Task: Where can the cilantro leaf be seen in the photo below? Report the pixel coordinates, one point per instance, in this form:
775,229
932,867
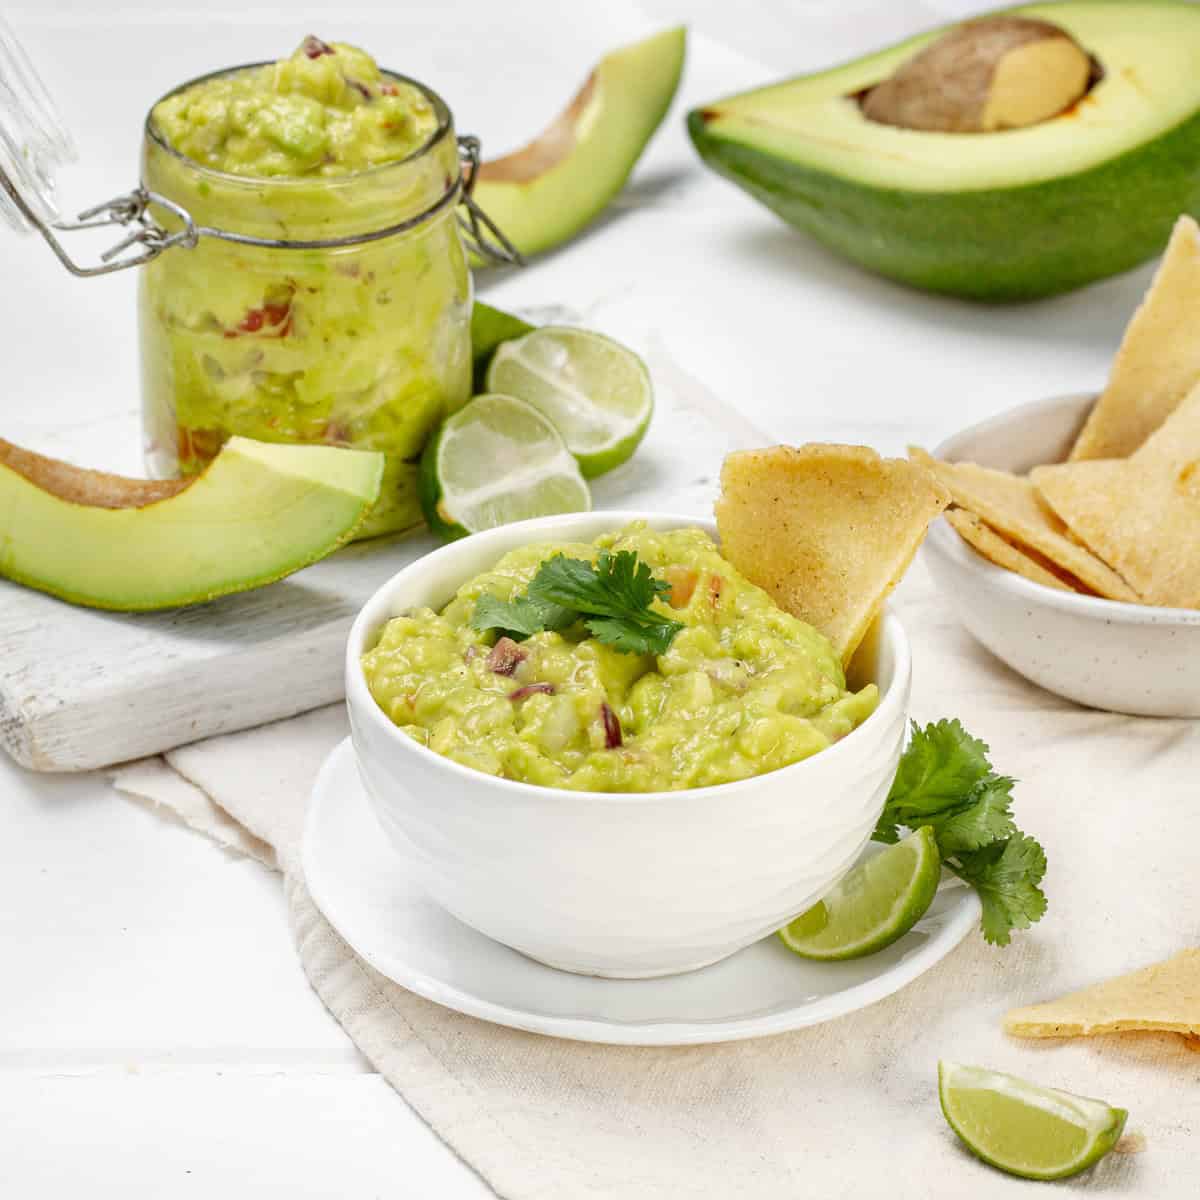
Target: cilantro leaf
987,819
520,617
617,585
634,637
945,781
614,594
939,770
614,597
1006,875
887,829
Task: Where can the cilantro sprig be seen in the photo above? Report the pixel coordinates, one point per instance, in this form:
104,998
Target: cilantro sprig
521,616
945,781
613,597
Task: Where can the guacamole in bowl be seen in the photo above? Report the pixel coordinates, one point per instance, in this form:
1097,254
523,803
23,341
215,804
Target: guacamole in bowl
741,689
629,883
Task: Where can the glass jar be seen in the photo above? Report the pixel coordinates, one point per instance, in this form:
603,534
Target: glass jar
326,309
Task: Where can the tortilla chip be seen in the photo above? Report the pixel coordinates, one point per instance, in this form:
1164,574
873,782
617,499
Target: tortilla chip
1159,359
828,531
1163,997
1009,504
999,550
1142,514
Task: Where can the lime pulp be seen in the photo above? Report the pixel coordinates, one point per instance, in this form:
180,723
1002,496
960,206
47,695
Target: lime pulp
595,391
495,461
872,905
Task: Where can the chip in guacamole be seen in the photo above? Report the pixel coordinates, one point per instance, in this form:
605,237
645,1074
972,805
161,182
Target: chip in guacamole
827,530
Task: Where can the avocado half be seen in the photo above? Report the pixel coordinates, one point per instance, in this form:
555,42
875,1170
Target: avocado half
258,512
549,190
1010,215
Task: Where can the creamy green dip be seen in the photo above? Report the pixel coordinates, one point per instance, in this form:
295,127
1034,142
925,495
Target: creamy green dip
326,110
743,689
364,345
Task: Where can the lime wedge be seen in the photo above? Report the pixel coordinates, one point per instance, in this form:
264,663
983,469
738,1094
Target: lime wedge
597,393
1027,1130
496,461
872,905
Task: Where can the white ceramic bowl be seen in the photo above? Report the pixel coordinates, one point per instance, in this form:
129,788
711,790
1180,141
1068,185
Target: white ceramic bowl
1126,658
625,885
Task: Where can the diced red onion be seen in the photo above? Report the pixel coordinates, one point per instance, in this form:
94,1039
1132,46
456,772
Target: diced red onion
612,727
314,47
504,657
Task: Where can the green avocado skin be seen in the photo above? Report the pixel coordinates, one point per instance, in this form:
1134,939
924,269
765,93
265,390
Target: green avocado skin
1004,244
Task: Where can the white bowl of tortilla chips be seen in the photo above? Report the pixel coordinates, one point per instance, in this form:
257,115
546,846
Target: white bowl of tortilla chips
1072,551
1044,610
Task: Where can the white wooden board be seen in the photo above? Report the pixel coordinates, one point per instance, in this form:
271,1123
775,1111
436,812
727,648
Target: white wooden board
82,689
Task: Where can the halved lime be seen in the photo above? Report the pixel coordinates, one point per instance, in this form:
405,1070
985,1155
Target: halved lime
873,904
1027,1130
496,461
597,393
491,327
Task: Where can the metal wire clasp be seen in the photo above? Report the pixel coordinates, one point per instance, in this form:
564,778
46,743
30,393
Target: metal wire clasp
480,232
145,237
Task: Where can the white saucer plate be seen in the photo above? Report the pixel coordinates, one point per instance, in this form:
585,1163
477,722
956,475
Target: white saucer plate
366,891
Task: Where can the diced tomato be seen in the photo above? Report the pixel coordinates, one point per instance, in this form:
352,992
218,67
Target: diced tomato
683,584
276,317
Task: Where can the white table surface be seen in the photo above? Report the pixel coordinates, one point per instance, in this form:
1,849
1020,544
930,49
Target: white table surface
124,1068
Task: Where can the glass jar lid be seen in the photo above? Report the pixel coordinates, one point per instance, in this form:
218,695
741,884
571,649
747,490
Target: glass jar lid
34,143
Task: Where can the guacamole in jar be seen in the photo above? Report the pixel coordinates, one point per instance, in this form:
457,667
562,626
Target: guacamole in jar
365,344
743,688
325,110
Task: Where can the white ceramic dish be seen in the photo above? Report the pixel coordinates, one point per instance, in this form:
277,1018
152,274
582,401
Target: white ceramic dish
1126,658
624,885
370,894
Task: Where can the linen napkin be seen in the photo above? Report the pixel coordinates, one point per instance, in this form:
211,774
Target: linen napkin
844,1109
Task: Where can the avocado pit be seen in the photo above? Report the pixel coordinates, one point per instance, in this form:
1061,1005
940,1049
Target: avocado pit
985,76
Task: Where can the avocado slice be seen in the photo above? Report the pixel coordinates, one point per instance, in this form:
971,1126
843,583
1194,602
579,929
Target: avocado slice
1008,215
258,512
546,192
